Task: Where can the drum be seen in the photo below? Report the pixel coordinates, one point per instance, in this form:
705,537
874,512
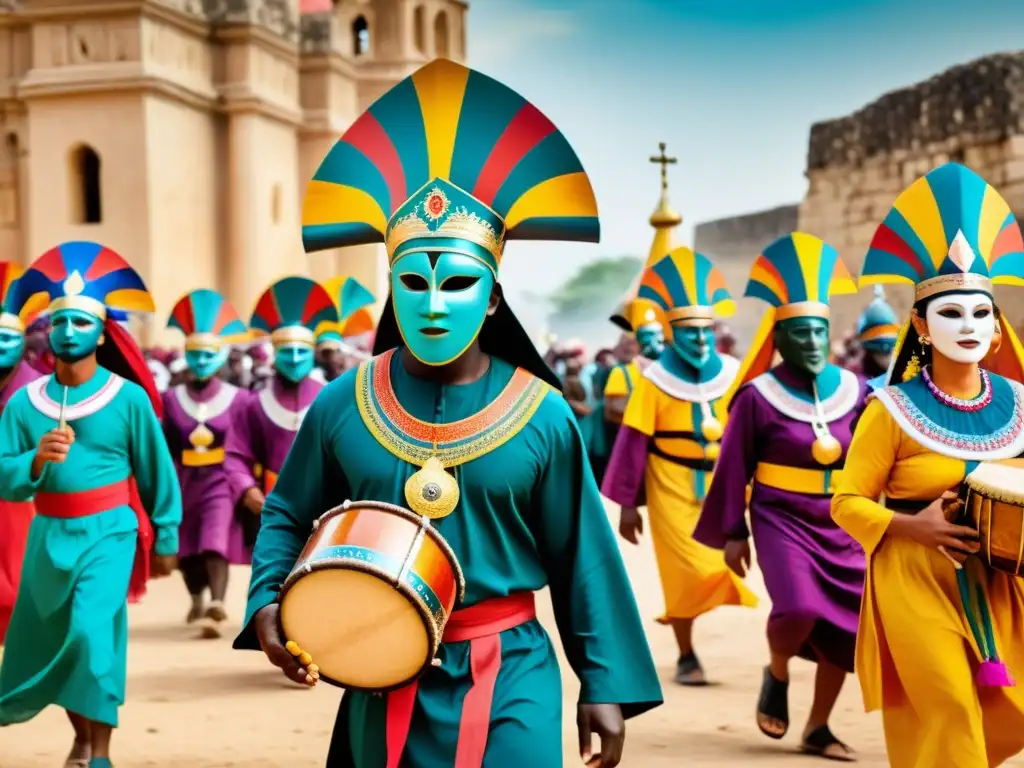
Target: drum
993,497
370,595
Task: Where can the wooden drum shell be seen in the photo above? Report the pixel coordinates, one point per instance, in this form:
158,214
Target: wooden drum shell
1000,525
395,546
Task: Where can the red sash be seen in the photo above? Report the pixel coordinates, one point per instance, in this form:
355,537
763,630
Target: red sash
84,503
481,625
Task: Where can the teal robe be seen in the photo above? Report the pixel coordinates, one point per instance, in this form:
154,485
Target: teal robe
69,631
529,516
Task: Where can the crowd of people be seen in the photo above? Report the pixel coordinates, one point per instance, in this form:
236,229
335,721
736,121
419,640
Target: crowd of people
457,470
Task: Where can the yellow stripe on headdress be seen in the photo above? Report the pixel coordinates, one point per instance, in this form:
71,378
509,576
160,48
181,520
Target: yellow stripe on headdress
771,280
808,253
130,300
994,211
440,89
919,208
327,203
566,196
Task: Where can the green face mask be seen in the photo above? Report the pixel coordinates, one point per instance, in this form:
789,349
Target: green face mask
651,340
441,303
803,343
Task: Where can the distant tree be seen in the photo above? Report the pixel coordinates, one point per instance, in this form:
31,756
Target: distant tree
594,289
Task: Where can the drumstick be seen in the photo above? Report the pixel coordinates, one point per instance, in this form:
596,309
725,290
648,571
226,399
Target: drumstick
949,557
62,422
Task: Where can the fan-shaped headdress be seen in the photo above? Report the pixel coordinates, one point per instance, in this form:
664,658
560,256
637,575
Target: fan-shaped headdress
208,320
687,288
451,160
796,275
291,310
949,232
353,301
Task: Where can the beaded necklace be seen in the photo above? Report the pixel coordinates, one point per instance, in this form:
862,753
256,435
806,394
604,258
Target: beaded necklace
967,406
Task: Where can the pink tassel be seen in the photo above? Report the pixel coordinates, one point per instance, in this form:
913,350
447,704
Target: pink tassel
994,674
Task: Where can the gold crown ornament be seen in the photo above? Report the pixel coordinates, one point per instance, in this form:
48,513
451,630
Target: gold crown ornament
201,438
431,491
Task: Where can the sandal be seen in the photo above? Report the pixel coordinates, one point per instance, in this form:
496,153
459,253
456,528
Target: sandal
689,672
773,704
821,742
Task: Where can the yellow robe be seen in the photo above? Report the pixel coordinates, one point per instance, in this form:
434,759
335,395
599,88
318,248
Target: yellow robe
916,657
617,384
694,577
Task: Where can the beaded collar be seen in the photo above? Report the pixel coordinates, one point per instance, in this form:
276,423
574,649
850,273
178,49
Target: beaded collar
993,432
454,443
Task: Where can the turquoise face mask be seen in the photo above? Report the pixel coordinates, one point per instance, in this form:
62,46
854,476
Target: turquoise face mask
12,344
294,361
74,334
803,343
441,303
651,340
694,344
204,363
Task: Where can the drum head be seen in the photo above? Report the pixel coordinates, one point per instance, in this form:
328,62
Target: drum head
360,630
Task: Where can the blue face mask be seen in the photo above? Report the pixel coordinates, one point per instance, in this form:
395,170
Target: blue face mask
651,340
694,344
204,363
294,361
440,309
12,344
74,334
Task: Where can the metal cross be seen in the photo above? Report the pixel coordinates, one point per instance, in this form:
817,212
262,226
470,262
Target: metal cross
664,161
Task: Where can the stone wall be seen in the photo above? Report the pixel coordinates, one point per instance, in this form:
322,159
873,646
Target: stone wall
732,244
857,165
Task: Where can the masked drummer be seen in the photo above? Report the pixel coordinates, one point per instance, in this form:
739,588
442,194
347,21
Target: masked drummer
455,364
786,439
290,311
935,665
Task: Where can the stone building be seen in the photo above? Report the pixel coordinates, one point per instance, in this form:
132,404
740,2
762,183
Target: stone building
181,133
857,165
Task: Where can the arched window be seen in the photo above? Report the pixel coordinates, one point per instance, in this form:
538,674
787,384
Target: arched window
419,29
441,48
360,36
85,186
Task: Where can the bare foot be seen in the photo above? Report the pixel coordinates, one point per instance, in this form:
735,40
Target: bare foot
216,611
79,756
195,613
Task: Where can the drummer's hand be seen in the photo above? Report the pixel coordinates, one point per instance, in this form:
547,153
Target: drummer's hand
268,630
606,721
931,528
254,500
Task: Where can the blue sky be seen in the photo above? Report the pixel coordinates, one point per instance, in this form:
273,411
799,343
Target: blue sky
731,85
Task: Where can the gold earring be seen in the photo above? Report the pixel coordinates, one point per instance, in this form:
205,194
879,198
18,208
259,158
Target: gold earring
103,339
925,341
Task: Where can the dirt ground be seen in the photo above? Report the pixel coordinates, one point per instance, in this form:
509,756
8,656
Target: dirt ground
197,704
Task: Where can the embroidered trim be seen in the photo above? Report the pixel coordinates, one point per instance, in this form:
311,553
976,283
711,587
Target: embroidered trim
458,442
278,413
203,412
1005,443
689,392
96,402
840,403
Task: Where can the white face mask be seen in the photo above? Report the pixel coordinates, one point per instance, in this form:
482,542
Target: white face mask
961,326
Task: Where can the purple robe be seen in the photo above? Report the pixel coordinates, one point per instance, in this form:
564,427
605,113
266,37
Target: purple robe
208,521
264,433
813,570
22,375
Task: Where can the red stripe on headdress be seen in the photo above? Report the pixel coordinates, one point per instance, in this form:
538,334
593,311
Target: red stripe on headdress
184,315
267,310
224,316
780,284
524,131
368,136
317,301
51,265
888,241
1008,240
106,261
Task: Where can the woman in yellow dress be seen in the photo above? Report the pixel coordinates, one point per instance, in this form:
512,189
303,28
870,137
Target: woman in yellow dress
669,442
939,630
